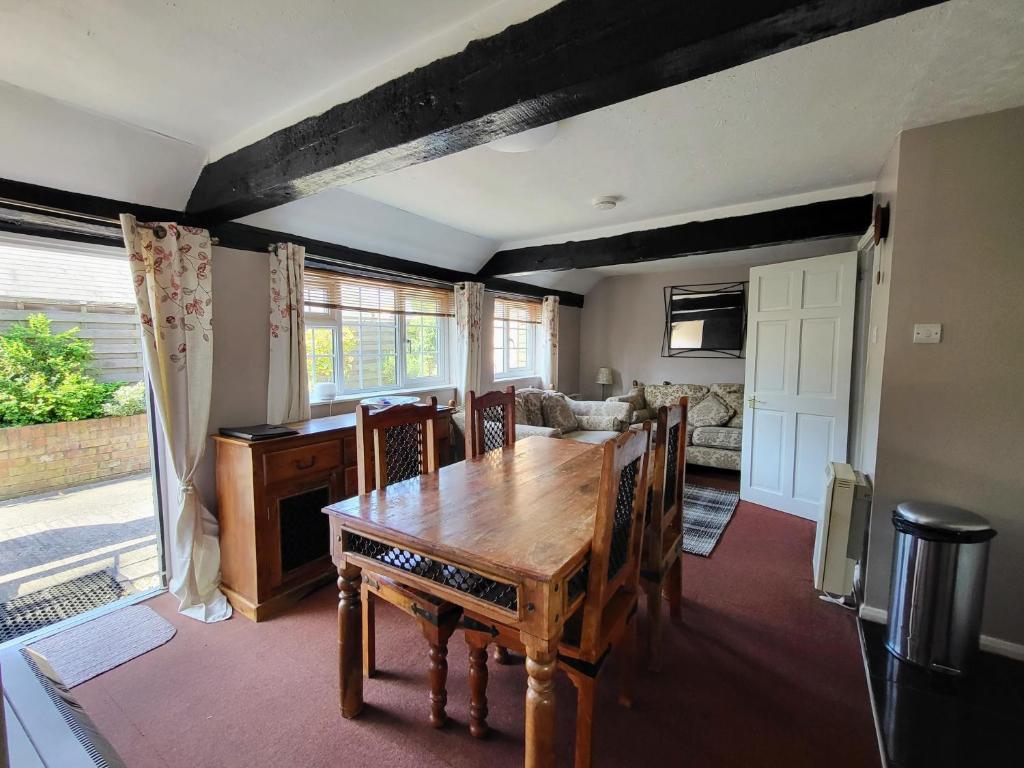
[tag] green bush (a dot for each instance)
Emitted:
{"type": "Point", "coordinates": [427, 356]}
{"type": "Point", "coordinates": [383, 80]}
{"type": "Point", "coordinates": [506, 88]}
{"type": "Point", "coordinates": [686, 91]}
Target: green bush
{"type": "Point", "coordinates": [126, 400]}
{"type": "Point", "coordinates": [47, 377]}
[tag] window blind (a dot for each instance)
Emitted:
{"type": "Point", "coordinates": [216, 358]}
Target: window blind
{"type": "Point", "coordinates": [517, 309]}
{"type": "Point", "coordinates": [330, 290]}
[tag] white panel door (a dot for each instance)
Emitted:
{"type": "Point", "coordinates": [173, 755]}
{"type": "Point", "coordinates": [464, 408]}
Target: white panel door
{"type": "Point", "coordinates": [799, 345]}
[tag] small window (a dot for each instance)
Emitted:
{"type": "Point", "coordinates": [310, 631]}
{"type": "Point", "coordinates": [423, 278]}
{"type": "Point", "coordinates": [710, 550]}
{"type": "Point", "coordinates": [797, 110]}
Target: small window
{"type": "Point", "coordinates": [515, 338]}
{"type": "Point", "coordinates": [371, 336]}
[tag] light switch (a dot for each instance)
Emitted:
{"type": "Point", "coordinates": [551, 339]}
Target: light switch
{"type": "Point", "coordinates": [927, 333]}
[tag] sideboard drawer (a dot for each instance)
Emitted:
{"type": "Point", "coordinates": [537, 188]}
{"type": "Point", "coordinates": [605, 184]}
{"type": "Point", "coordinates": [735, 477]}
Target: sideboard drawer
{"type": "Point", "coordinates": [299, 462]}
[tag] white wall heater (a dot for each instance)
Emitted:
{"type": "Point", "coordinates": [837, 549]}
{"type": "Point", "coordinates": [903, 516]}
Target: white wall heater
{"type": "Point", "coordinates": [839, 543]}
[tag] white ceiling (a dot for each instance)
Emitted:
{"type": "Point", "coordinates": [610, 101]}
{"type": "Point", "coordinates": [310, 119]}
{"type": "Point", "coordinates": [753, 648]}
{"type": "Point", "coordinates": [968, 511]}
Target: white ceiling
{"type": "Point", "coordinates": [819, 116]}
{"type": "Point", "coordinates": [141, 93]}
{"type": "Point", "coordinates": [206, 72]}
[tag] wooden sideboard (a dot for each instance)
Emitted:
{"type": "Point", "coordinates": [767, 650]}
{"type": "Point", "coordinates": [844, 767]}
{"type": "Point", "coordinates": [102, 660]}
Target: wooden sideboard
{"type": "Point", "coordinates": [274, 539]}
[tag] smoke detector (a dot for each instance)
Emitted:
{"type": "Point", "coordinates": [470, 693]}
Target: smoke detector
{"type": "Point", "coordinates": [605, 202]}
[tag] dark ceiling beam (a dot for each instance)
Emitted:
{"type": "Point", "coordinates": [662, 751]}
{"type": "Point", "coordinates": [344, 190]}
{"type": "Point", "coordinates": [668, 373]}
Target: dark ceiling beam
{"type": "Point", "coordinates": [578, 56]}
{"type": "Point", "coordinates": [25, 220]}
{"type": "Point", "coordinates": [814, 221]}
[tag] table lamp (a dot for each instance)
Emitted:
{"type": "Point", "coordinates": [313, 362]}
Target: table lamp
{"type": "Point", "coordinates": [604, 378]}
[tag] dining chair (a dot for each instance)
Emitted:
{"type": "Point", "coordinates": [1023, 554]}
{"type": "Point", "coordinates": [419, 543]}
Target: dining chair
{"type": "Point", "coordinates": [395, 444]}
{"type": "Point", "coordinates": [602, 596]}
{"type": "Point", "coordinates": [490, 425]}
{"type": "Point", "coordinates": [490, 421]}
{"type": "Point", "coordinates": [661, 571]}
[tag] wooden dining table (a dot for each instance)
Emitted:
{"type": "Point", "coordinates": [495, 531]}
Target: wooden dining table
{"type": "Point", "coordinates": [507, 535]}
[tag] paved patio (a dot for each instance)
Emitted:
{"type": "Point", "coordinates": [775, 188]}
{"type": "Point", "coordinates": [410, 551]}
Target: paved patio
{"type": "Point", "coordinates": [55, 537]}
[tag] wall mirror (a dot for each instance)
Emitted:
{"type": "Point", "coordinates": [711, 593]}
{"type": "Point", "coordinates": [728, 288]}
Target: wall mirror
{"type": "Point", "coordinates": [705, 320]}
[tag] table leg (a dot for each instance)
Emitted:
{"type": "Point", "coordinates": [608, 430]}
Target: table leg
{"type": "Point", "coordinates": [350, 648]}
{"type": "Point", "coordinates": [540, 703]}
{"type": "Point", "coordinates": [477, 685]}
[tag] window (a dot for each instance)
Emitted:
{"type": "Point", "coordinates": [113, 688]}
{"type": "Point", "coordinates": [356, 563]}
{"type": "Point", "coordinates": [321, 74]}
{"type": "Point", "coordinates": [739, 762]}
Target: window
{"type": "Point", "coordinates": [515, 338]}
{"type": "Point", "coordinates": [366, 335]}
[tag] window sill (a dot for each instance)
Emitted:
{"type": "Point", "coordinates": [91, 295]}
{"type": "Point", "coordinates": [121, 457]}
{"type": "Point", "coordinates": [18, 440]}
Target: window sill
{"type": "Point", "coordinates": [355, 398]}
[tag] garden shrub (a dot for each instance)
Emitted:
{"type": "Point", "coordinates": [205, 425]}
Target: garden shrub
{"type": "Point", "coordinates": [47, 377]}
{"type": "Point", "coordinates": [126, 400]}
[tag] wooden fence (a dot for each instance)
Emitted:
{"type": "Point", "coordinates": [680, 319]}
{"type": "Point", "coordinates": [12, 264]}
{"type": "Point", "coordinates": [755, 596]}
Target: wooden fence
{"type": "Point", "coordinates": [113, 330]}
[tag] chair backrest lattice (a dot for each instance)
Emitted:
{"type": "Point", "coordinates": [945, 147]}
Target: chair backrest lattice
{"type": "Point", "coordinates": [395, 443]}
{"type": "Point", "coordinates": [669, 479]}
{"type": "Point", "coordinates": [614, 567]}
{"type": "Point", "coordinates": [490, 421]}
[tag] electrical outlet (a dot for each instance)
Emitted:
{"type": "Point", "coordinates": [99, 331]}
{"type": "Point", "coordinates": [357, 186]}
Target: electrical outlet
{"type": "Point", "coordinates": [927, 333]}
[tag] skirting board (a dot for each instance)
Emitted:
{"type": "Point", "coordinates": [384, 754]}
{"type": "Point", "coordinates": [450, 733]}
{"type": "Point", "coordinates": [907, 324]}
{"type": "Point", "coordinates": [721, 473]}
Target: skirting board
{"type": "Point", "coordinates": [994, 645]}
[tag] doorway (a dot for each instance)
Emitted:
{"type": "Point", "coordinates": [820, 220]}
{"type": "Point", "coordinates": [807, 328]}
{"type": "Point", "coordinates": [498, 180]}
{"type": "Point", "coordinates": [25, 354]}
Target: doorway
{"type": "Point", "coordinates": [79, 523]}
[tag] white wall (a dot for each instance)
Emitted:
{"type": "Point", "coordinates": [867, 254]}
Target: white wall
{"type": "Point", "coordinates": [950, 420]}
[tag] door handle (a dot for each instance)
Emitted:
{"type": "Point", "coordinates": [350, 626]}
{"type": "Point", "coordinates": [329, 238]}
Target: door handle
{"type": "Point", "coordinates": [754, 402]}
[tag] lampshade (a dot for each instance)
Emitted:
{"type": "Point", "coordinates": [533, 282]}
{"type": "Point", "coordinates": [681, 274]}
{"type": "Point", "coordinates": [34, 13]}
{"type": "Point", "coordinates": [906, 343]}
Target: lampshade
{"type": "Point", "coordinates": [604, 376]}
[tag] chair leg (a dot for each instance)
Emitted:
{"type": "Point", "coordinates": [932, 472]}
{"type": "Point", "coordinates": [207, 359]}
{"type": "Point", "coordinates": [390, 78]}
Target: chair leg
{"type": "Point", "coordinates": [437, 637]}
{"type": "Point", "coordinates": [369, 634]}
{"type": "Point", "coordinates": [585, 688]}
{"type": "Point", "coordinates": [674, 588]}
{"type": "Point", "coordinates": [477, 685]}
{"type": "Point", "coordinates": [653, 649]}
{"type": "Point", "coordinates": [500, 655]}
{"type": "Point", "coordinates": [627, 662]}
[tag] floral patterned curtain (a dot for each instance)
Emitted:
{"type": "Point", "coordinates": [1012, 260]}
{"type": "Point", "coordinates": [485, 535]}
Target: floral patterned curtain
{"type": "Point", "coordinates": [548, 358]}
{"type": "Point", "coordinates": [469, 310]}
{"type": "Point", "coordinates": [288, 385]}
{"type": "Point", "coordinates": [172, 269]}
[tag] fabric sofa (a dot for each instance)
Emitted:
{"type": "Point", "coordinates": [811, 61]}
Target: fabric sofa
{"type": "Point", "coordinates": [552, 414]}
{"type": "Point", "coordinates": [714, 431]}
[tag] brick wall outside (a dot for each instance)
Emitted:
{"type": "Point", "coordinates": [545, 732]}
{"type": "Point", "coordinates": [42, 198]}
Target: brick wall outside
{"type": "Point", "coordinates": [44, 457]}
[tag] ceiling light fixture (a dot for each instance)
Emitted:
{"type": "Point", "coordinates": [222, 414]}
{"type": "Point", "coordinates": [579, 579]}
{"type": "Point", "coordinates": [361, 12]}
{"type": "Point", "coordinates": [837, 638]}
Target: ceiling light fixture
{"type": "Point", "coordinates": [605, 202]}
{"type": "Point", "coordinates": [526, 141]}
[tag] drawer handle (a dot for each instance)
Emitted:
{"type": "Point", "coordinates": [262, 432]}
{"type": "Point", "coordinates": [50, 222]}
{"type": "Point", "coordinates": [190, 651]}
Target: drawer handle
{"type": "Point", "coordinates": [299, 464]}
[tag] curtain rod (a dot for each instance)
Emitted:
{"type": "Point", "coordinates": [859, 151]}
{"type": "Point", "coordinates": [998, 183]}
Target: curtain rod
{"type": "Point", "coordinates": [157, 228]}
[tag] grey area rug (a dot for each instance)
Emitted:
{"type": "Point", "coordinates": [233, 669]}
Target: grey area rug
{"type": "Point", "coordinates": [80, 653]}
{"type": "Point", "coordinates": [706, 512]}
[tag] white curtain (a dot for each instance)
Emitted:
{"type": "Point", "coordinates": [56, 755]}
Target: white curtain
{"type": "Point", "coordinates": [173, 277]}
{"type": "Point", "coordinates": [469, 310]}
{"type": "Point", "coordinates": [288, 385]}
{"type": "Point", "coordinates": [548, 368]}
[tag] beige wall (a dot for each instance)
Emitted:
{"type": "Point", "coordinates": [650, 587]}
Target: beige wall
{"type": "Point", "coordinates": [569, 349]}
{"type": "Point", "coordinates": [623, 319]}
{"type": "Point", "coordinates": [950, 421]}
{"type": "Point", "coordinates": [241, 356]}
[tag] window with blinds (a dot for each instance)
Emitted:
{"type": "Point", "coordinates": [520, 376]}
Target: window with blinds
{"type": "Point", "coordinates": [515, 337]}
{"type": "Point", "coordinates": [366, 335]}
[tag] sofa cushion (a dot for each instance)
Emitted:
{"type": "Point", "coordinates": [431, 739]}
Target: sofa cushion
{"type": "Point", "coordinates": [529, 407]}
{"type": "Point", "coordinates": [558, 413]}
{"type": "Point", "coordinates": [712, 411]}
{"type": "Point", "coordinates": [590, 435]}
{"type": "Point", "coordinates": [718, 437]}
{"type": "Point", "coordinates": [733, 395]}
{"type": "Point", "coordinates": [668, 394]}
{"type": "Point", "coordinates": [713, 457]}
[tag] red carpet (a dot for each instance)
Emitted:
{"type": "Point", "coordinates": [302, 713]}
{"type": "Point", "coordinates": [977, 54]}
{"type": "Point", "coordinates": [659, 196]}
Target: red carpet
{"type": "Point", "coordinates": [762, 674]}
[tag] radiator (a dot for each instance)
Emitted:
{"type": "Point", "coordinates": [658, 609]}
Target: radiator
{"type": "Point", "coordinates": [839, 542]}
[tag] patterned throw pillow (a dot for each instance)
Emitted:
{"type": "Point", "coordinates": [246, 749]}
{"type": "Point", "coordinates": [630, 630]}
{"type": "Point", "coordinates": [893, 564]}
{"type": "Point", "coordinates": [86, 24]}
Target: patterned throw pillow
{"type": "Point", "coordinates": [732, 394]}
{"type": "Point", "coordinates": [558, 414]}
{"type": "Point", "coordinates": [528, 407]}
{"type": "Point", "coordinates": [712, 411]}
{"type": "Point", "coordinates": [669, 394]}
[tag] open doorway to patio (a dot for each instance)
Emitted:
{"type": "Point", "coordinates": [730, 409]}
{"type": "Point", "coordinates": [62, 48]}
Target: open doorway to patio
{"type": "Point", "coordinates": [79, 529]}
